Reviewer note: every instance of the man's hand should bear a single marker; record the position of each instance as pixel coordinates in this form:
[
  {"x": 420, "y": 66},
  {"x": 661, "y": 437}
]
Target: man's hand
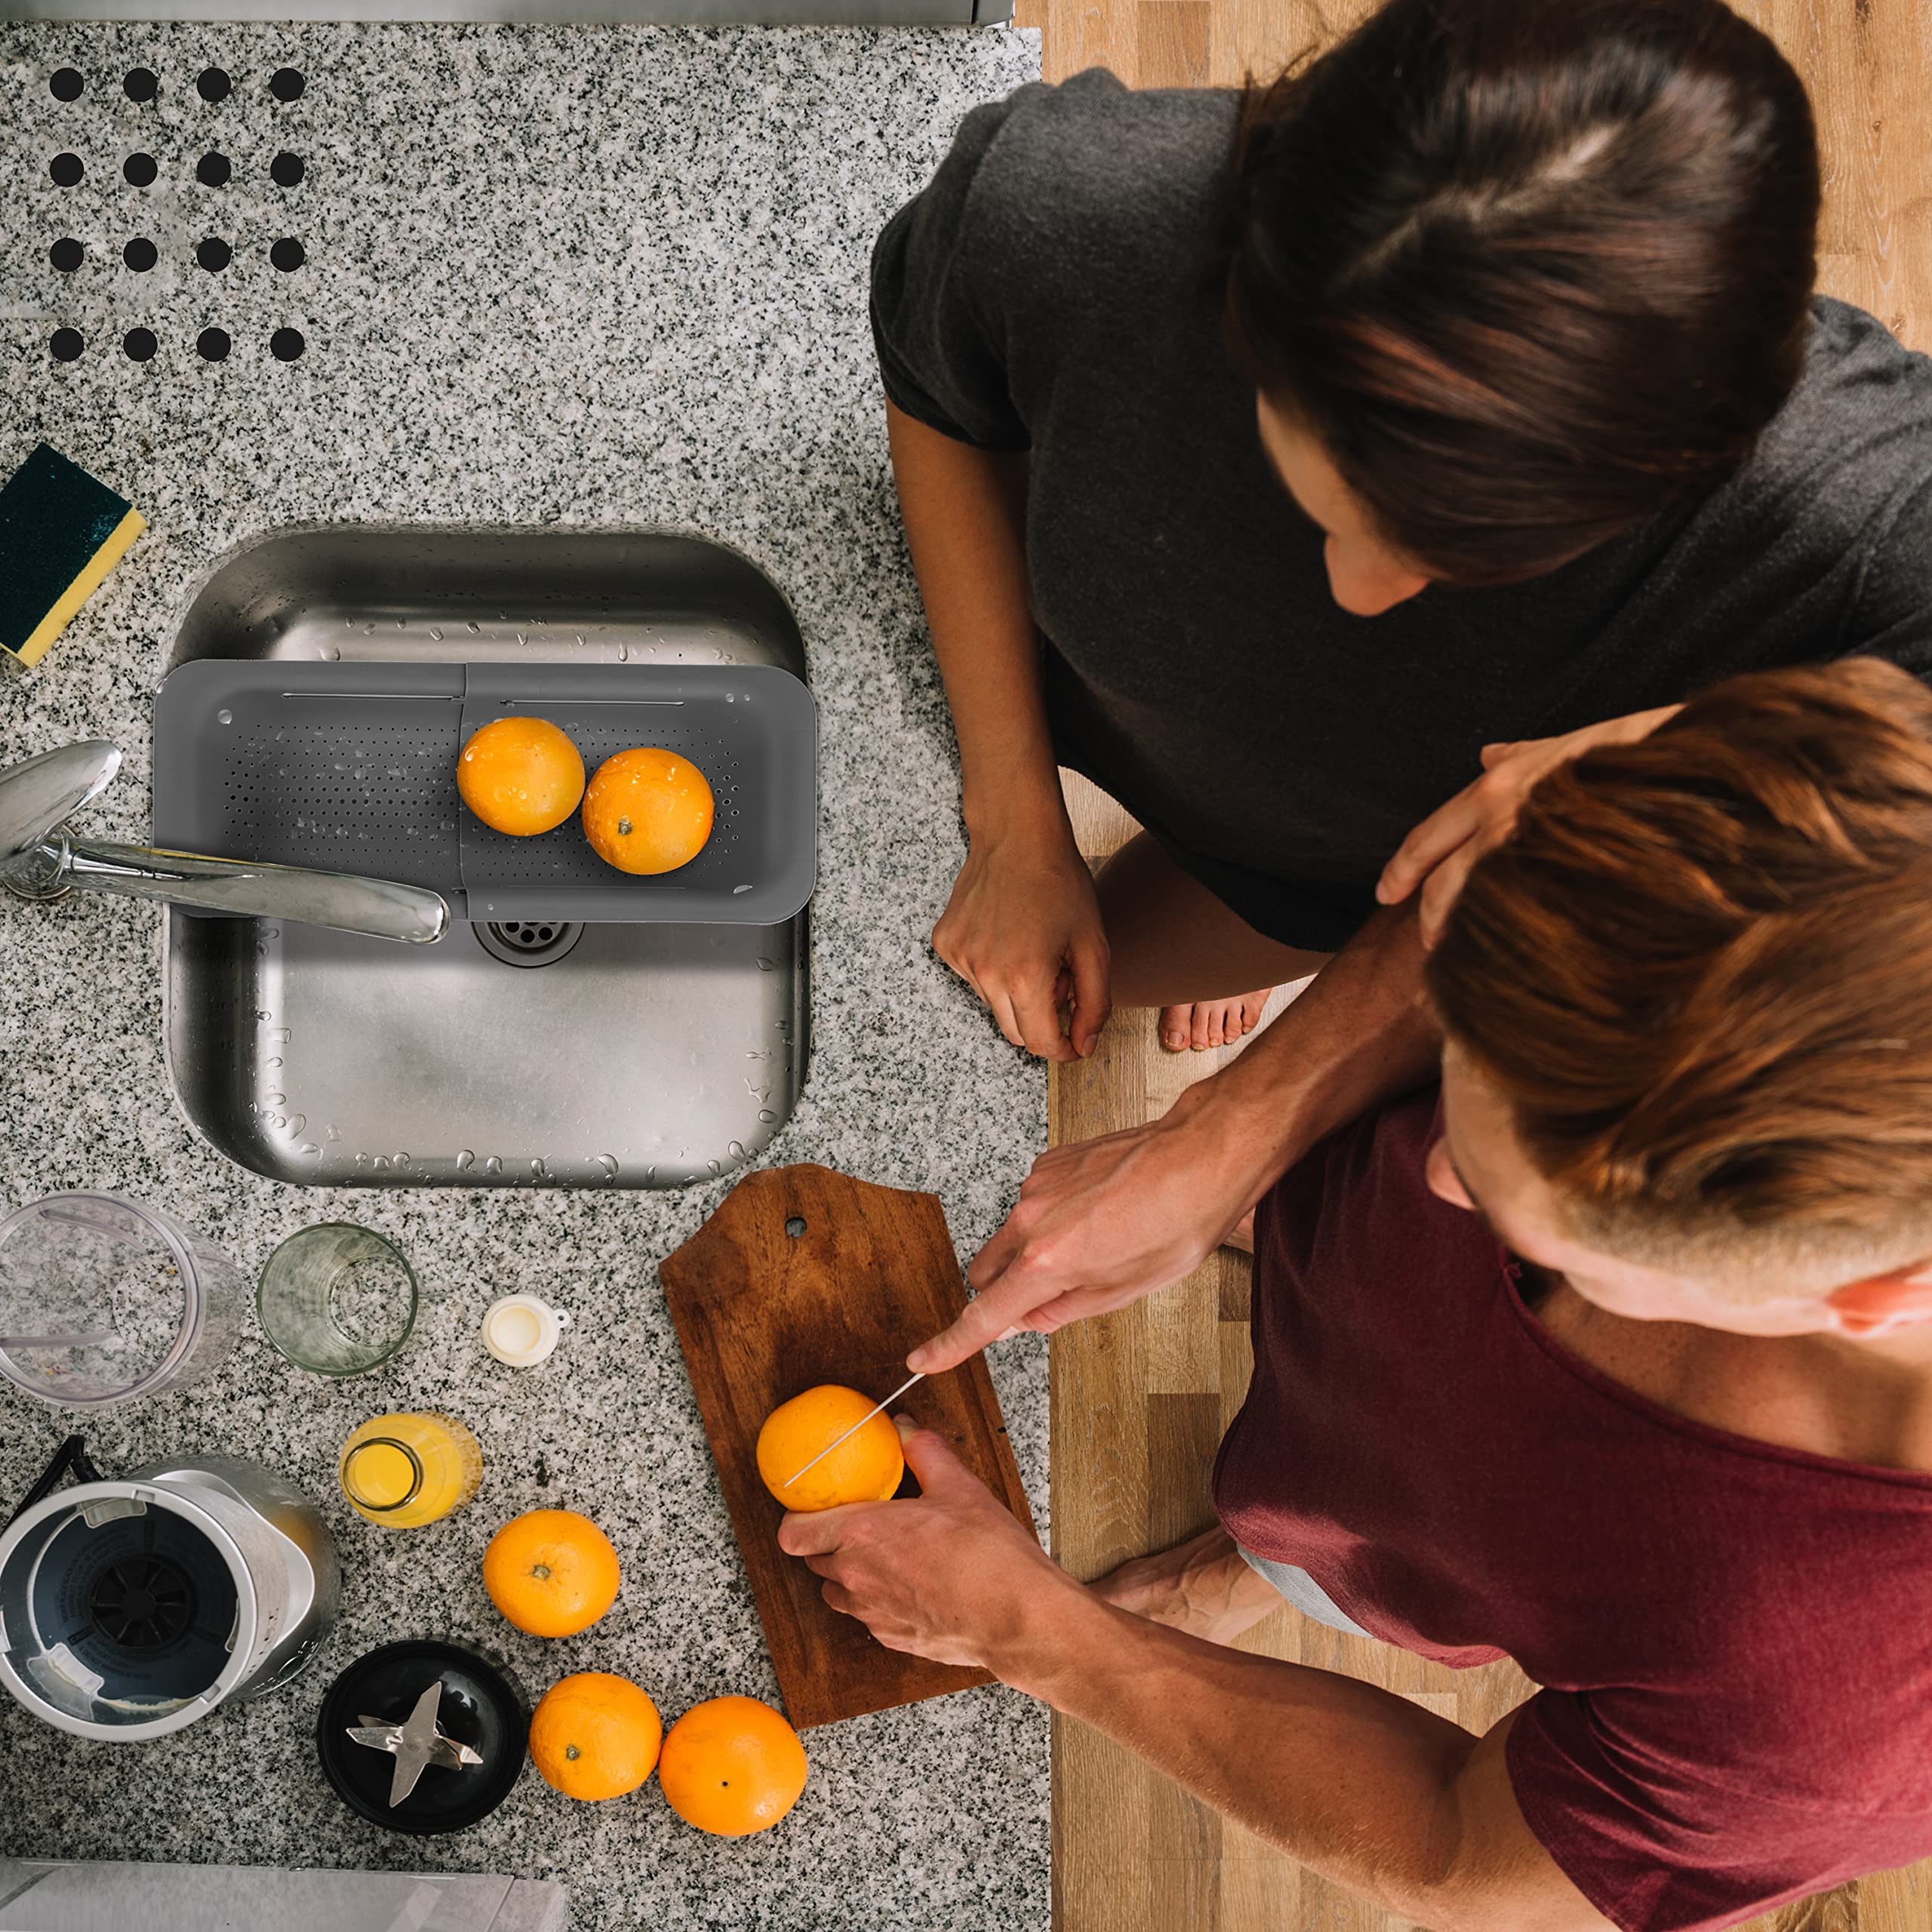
[
  {"x": 950, "y": 1574},
  {"x": 1101, "y": 1222},
  {"x": 1023, "y": 930},
  {"x": 1443, "y": 848}
]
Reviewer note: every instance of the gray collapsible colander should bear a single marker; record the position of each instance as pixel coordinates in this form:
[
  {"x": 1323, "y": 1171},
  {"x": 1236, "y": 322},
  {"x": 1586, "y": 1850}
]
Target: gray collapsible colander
[{"x": 351, "y": 768}]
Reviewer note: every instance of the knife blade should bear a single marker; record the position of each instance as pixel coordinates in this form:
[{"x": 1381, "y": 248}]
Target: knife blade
[{"x": 854, "y": 1429}]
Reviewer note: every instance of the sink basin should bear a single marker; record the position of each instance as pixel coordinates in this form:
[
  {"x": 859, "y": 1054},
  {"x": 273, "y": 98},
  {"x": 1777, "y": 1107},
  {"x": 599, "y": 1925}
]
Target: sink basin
[{"x": 525, "y": 1053}]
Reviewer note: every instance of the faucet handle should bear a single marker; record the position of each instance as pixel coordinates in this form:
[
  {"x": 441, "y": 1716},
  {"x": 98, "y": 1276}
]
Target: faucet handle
[{"x": 38, "y": 792}]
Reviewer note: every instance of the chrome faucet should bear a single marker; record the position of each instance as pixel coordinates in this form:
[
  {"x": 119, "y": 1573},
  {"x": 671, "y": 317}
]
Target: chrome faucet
[{"x": 41, "y": 859}]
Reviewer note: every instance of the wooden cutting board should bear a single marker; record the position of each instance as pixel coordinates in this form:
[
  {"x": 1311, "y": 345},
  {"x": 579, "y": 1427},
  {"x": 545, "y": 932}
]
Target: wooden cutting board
[{"x": 805, "y": 1275}]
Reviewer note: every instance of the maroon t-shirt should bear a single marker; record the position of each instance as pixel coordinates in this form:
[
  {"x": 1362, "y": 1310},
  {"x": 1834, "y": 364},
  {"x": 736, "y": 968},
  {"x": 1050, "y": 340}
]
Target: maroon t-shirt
[{"x": 1736, "y": 1639}]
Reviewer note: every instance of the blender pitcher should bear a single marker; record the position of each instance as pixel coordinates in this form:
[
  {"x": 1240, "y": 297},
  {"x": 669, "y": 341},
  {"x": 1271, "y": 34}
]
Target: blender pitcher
[{"x": 103, "y": 1300}]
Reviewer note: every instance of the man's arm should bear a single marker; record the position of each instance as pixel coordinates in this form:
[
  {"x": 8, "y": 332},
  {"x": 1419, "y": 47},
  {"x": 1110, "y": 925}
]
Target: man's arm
[
  {"x": 1362, "y": 1786},
  {"x": 1101, "y": 1222}
]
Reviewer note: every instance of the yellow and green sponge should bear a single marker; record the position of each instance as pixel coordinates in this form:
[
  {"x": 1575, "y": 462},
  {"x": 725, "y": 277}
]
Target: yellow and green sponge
[{"x": 61, "y": 531}]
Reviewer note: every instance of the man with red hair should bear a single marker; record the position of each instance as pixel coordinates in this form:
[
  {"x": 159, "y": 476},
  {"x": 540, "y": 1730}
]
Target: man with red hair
[{"x": 1608, "y": 1347}]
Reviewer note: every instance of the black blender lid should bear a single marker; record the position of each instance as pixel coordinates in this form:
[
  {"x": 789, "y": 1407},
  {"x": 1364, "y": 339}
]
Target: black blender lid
[{"x": 481, "y": 1707}]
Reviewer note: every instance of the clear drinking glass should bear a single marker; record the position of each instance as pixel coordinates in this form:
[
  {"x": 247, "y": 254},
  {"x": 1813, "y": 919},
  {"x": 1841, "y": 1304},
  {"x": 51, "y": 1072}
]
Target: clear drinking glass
[
  {"x": 336, "y": 1298},
  {"x": 103, "y": 1300}
]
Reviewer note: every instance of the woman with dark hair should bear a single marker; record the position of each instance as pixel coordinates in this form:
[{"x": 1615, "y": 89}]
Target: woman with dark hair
[{"x": 1266, "y": 456}]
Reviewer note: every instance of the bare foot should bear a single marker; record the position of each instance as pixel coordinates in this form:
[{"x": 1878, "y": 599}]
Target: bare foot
[
  {"x": 1211, "y": 1022},
  {"x": 1205, "y": 1587}
]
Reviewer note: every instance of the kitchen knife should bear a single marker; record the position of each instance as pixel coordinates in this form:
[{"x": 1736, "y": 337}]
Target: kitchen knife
[{"x": 854, "y": 1429}]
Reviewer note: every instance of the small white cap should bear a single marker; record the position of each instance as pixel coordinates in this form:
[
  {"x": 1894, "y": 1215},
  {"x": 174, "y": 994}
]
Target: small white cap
[{"x": 522, "y": 1330}]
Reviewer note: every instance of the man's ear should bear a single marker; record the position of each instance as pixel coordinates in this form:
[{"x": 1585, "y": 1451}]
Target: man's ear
[{"x": 1900, "y": 1300}]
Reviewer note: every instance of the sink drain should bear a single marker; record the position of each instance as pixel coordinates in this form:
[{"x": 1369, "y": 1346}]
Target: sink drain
[{"x": 529, "y": 942}]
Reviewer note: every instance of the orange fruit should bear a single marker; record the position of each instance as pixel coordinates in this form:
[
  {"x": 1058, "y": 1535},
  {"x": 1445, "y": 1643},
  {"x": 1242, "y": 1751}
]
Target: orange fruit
[
  {"x": 732, "y": 1767},
  {"x": 520, "y": 775},
  {"x": 595, "y": 1735},
  {"x": 865, "y": 1468},
  {"x": 647, "y": 811},
  {"x": 552, "y": 1572}
]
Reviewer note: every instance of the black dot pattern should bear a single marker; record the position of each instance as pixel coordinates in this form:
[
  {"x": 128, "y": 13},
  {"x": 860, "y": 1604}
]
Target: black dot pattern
[{"x": 67, "y": 255}]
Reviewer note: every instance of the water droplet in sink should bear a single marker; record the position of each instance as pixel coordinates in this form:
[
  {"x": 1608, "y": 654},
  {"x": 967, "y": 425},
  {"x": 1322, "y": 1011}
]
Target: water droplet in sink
[
  {"x": 737, "y": 1149},
  {"x": 271, "y": 1061},
  {"x": 402, "y": 1160},
  {"x": 361, "y": 1160},
  {"x": 623, "y": 653},
  {"x": 262, "y": 1013},
  {"x": 765, "y": 965},
  {"x": 402, "y": 623},
  {"x": 766, "y": 1115},
  {"x": 296, "y": 1122},
  {"x": 539, "y": 1170},
  {"x": 309, "y": 1148},
  {"x": 435, "y": 635},
  {"x": 276, "y": 1122},
  {"x": 651, "y": 1176},
  {"x": 465, "y": 1160},
  {"x": 473, "y": 627},
  {"x": 715, "y": 1167},
  {"x": 608, "y": 1162},
  {"x": 332, "y": 653},
  {"x": 273, "y": 1099},
  {"x": 521, "y": 638},
  {"x": 493, "y": 1165},
  {"x": 224, "y": 717},
  {"x": 380, "y": 1162}
]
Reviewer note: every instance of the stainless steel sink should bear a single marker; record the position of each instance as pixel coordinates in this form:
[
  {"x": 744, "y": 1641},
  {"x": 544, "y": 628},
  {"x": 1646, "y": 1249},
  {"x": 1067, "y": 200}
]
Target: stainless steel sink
[{"x": 520, "y": 1055}]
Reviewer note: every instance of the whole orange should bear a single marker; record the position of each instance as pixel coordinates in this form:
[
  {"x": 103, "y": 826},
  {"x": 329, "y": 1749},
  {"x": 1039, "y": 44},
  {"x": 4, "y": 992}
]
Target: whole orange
[
  {"x": 552, "y": 1572},
  {"x": 865, "y": 1468},
  {"x": 595, "y": 1735},
  {"x": 520, "y": 775},
  {"x": 647, "y": 811},
  {"x": 732, "y": 1767}
]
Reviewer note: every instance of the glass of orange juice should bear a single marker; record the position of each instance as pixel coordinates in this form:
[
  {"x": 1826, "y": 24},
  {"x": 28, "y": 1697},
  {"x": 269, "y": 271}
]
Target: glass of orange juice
[{"x": 406, "y": 1469}]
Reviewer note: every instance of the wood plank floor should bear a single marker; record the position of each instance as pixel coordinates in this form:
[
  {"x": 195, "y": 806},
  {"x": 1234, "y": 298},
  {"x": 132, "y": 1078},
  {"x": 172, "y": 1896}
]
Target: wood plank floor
[{"x": 1140, "y": 1398}]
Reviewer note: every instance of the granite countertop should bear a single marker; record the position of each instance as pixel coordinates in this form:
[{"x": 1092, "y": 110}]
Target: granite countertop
[{"x": 598, "y": 275}]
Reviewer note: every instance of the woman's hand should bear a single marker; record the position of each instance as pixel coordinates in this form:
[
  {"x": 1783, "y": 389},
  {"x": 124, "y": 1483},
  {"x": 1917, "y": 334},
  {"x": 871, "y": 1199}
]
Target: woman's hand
[
  {"x": 1023, "y": 930},
  {"x": 1438, "y": 854}
]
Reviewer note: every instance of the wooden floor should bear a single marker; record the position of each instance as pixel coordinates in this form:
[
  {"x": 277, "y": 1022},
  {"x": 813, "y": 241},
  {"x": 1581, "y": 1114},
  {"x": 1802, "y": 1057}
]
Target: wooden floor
[{"x": 1140, "y": 1398}]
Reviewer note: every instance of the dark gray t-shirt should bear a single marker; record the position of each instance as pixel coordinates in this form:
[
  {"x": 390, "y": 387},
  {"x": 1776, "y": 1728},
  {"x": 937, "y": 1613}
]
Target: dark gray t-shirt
[{"x": 1044, "y": 292}]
